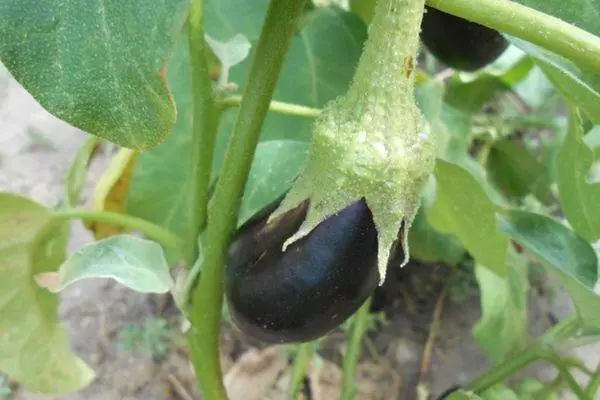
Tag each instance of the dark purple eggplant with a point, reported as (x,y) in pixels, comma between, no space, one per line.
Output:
(311,288)
(458,43)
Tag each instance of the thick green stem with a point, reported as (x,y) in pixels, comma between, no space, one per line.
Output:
(204,129)
(277,32)
(528,24)
(153,231)
(359,327)
(278,107)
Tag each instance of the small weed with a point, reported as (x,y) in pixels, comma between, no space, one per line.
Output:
(154,338)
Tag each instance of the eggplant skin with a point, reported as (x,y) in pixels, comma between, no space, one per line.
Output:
(316,284)
(458,43)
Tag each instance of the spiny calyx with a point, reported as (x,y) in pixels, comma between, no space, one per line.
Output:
(373,142)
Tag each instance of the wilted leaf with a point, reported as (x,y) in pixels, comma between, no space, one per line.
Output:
(34,347)
(565,254)
(98,66)
(461,207)
(136,263)
(580,199)
(111,191)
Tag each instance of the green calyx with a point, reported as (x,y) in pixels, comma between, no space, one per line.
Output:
(372,142)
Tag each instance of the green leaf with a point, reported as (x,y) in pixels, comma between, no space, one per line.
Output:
(136,263)
(578,84)
(319,67)
(78,171)
(364,8)
(429,245)
(528,388)
(502,329)
(98,66)
(469,92)
(462,207)
(564,253)
(592,140)
(580,200)
(276,164)
(34,348)
(499,392)
(513,168)
(582,13)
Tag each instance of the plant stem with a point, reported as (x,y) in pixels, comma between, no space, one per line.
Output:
(555,360)
(548,389)
(594,383)
(502,371)
(359,326)
(207,298)
(558,334)
(204,130)
(531,25)
(279,107)
(303,356)
(151,230)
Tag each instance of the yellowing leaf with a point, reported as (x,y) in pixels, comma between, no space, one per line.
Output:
(111,192)
(34,348)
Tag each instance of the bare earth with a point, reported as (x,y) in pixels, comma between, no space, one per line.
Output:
(35,163)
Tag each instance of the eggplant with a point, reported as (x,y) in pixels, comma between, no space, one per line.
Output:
(304,292)
(458,43)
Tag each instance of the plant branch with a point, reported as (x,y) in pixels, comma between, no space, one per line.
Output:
(205,119)
(359,327)
(207,298)
(303,357)
(555,360)
(278,107)
(531,25)
(149,229)
(594,383)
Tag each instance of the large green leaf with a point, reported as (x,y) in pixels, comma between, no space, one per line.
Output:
(318,68)
(99,66)
(564,253)
(502,329)
(578,84)
(582,13)
(462,207)
(580,200)
(136,263)
(34,348)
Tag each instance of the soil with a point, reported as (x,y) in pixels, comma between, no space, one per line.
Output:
(35,153)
